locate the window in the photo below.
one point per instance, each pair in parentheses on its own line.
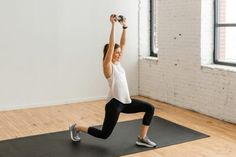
(225,32)
(153,28)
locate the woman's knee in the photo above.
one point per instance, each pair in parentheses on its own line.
(150,109)
(105,135)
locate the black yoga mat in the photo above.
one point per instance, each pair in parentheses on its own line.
(121,142)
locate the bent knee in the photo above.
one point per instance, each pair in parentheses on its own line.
(151,109)
(106,133)
(105,136)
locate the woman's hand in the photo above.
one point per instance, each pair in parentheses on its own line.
(113,19)
(123,23)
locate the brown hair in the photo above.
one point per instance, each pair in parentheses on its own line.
(106,48)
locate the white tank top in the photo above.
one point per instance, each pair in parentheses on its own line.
(118,85)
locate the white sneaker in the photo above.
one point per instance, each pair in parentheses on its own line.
(74,135)
(145,142)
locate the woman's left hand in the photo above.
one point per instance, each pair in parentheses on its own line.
(123,23)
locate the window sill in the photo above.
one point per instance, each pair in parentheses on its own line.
(219,67)
(149,59)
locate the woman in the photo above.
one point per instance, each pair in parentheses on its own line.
(119,100)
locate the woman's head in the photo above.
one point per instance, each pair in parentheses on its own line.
(116,53)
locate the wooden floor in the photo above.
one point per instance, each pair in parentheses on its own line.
(221,143)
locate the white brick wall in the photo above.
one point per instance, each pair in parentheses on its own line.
(178,77)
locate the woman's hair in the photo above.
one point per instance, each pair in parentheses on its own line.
(106,48)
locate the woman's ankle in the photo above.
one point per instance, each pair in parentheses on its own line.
(142,136)
(81,129)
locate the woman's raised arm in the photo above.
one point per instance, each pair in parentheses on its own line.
(107,62)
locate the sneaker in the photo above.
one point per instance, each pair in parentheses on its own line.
(74,135)
(145,142)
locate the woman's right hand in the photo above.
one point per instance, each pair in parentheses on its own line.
(113,18)
(123,22)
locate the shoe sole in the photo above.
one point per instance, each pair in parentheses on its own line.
(143,144)
(71,134)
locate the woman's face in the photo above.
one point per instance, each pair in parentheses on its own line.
(116,55)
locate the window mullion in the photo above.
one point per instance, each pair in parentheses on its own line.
(226,25)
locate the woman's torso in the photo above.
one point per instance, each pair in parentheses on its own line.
(118,85)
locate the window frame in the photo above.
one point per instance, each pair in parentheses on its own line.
(152,54)
(216,35)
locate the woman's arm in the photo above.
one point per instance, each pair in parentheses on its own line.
(123,35)
(107,63)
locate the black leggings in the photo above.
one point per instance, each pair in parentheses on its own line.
(114,108)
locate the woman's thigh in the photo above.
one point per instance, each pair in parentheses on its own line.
(136,106)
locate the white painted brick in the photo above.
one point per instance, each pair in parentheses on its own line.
(178,77)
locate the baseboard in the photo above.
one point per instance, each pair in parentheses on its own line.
(52,103)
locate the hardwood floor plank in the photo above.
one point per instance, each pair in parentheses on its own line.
(34,121)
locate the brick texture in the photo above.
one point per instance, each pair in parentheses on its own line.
(185,43)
